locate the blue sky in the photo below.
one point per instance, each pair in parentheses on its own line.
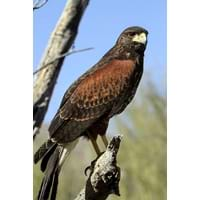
(101,25)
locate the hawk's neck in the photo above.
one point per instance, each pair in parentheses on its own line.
(122,53)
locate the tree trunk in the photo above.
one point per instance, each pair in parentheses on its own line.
(60,42)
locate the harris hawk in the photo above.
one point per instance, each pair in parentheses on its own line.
(90,102)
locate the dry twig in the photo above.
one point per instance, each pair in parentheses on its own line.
(38,4)
(61,56)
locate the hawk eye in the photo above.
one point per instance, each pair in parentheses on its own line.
(131,34)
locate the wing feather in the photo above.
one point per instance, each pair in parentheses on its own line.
(95,94)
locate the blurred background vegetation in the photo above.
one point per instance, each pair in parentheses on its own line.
(142,155)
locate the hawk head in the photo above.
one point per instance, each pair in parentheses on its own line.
(133,39)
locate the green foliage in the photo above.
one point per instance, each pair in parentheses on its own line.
(142,155)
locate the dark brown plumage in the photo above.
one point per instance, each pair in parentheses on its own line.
(87,106)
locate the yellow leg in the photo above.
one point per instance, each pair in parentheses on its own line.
(94,144)
(105,141)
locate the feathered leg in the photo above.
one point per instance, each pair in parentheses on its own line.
(104,139)
(94,143)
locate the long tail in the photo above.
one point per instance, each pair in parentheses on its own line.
(53,158)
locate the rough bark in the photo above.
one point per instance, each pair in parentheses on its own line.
(104,175)
(60,42)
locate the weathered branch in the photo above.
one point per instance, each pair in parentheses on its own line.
(38,4)
(104,175)
(61,56)
(60,42)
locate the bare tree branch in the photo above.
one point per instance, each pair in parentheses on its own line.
(61,56)
(38,4)
(104,175)
(60,42)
